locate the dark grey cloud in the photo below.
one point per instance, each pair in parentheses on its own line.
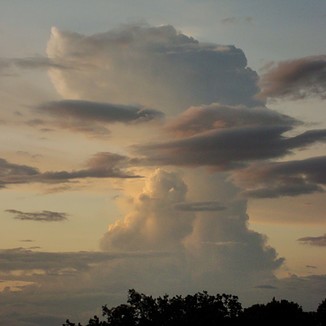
(314,241)
(290,178)
(99,112)
(202,206)
(43,216)
(216,116)
(228,148)
(295,79)
(56,262)
(11,173)
(101,165)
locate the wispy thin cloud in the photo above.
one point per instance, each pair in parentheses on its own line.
(42,216)
(101,165)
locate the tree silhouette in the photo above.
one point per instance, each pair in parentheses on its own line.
(321,313)
(202,309)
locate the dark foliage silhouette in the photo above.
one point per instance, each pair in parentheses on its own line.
(202,309)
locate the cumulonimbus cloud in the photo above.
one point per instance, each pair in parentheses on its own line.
(295,79)
(43,216)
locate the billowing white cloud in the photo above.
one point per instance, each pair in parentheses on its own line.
(215,247)
(155,223)
(153,66)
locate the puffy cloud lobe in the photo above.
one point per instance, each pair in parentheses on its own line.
(198,119)
(156,66)
(102,165)
(295,79)
(314,241)
(290,178)
(154,223)
(43,216)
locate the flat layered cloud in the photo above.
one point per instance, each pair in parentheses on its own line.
(314,241)
(228,148)
(295,79)
(202,206)
(276,179)
(21,259)
(93,117)
(95,111)
(199,119)
(43,216)
(156,66)
(101,165)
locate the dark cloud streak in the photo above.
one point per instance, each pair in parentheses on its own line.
(290,178)
(43,216)
(314,241)
(99,112)
(102,165)
(228,148)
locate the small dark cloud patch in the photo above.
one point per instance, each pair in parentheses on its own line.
(311,266)
(43,216)
(266,287)
(207,206)
(314,241)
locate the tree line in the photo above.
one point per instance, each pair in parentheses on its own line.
(202,309)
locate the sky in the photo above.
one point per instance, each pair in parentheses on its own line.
(166,146)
